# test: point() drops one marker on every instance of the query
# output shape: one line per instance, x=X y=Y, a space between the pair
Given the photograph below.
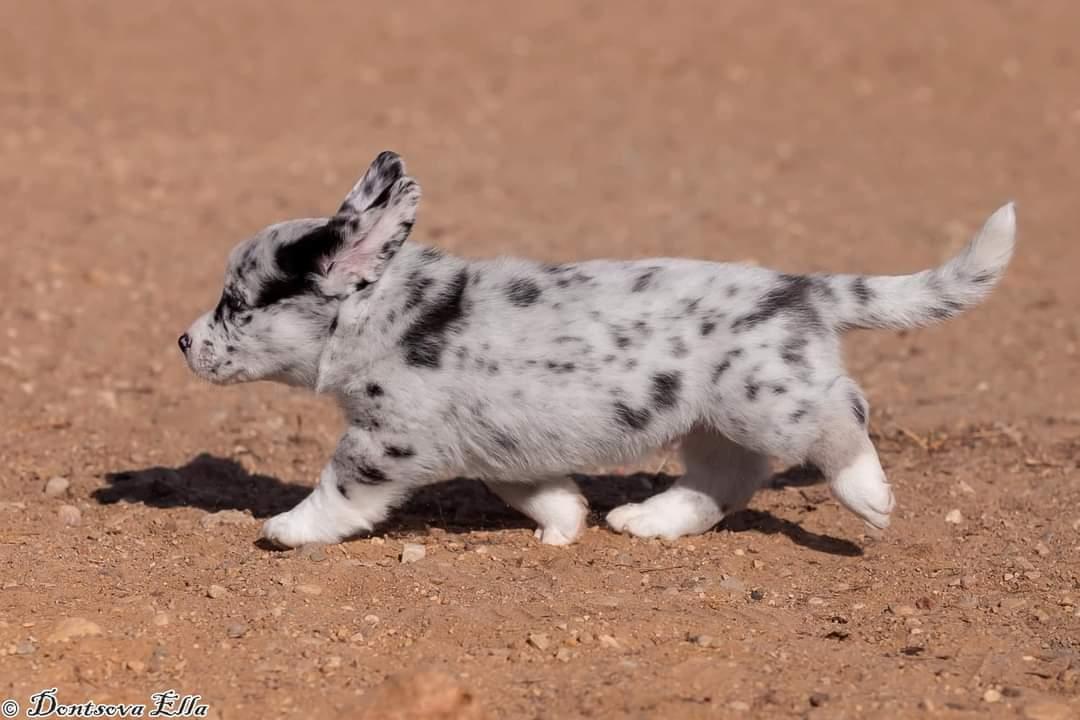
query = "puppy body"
x=519 y=373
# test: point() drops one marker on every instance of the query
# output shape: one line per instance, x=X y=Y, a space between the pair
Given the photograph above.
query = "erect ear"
x=371 y=237
x=371 y=191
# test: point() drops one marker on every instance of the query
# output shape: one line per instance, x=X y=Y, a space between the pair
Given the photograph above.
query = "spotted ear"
x=370 y=238
x=372 y=190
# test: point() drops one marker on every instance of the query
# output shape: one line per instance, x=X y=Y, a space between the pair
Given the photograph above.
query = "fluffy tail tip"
x=992 y=248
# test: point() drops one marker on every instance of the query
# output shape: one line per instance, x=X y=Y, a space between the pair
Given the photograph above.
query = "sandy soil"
x=140 y=140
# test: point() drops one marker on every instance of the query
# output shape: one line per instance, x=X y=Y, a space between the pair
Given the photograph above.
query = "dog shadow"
x=214 y=484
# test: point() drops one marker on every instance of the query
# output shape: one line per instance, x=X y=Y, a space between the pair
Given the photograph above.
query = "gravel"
x=412 y=552
x=56 y=486
x=69 y=515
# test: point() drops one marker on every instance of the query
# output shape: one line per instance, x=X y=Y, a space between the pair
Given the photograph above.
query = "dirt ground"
x=140 y=140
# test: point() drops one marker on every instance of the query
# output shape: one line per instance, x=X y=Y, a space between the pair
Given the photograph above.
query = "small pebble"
x=757 y=595
x=26 y=647
x=224 y=517
x=609 y=642
x=702 y=640
x=161 y=619
x=412 y=552
x=954 y=517
x=69 y=515
x=74 y=627
x=902 y=610
x=216 y=592
x=371 y=619
x=1048 y=710
x=815 y=601
x=308 y=589
x=818 y=699
x=991 y=696
x=739 y=706
x=540 y=641
x=236 y=630
x=136 y=666
x=56 y=487
x=1012 y=603
x=563 y=655
x=312 y=553
x=1042 y=549
x=732 y=584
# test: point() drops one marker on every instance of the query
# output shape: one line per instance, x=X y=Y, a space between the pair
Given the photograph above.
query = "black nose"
x=184 y=342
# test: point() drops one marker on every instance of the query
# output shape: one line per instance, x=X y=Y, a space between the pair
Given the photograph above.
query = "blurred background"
x=139 y=141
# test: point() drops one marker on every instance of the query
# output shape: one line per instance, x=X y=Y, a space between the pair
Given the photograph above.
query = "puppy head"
x=284 y=286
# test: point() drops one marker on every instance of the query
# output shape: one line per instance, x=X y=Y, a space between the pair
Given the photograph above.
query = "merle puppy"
x=518 y=373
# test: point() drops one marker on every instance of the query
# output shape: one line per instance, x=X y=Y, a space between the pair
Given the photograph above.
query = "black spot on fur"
x=399 y=452
x=633 y=419
x=567 y=339
x=984 y=277
x=343 y=489
x=691 y=306
x=358 y=469
x=621 y=341
x=503 y=440
x=707 y=326
x=430 y=254
x=858 y=408
x=333 y=325
x=426 y=338
x=732 y=290
x=416 y=286
x=779 y=389
x=230 y=348
x=523 y=292
x=298 y=263
x=665 y=389
x=374 y=390
x=725 y=364
x=947 y=309
x=752 y=389
x=861 y=290
x=679 y=348
x=560 y=368
x=791 y=352
x=644 y=280
x=802 y=411
x=790 y=296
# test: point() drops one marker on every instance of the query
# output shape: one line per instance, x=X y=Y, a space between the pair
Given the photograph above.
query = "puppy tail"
x=927 y=297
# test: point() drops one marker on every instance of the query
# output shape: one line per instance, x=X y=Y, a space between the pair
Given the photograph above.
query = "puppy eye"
x=233 y=302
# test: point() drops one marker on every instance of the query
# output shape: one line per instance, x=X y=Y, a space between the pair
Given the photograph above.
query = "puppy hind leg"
x=721 y=477
x=847 y=457
x=556 y=504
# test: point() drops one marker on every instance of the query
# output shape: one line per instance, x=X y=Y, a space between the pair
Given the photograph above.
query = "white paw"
x=295 y=528
x=671 y=514
x=863 y=489
x=554 y=535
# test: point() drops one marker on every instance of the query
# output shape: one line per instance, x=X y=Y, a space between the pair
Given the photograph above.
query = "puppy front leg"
x=356 y=491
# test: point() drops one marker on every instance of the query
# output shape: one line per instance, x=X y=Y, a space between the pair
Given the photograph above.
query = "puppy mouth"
x=216 y=372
